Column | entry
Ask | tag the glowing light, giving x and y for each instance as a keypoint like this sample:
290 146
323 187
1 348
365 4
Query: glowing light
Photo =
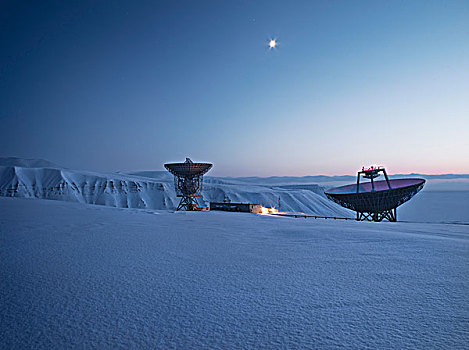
272 44
269 211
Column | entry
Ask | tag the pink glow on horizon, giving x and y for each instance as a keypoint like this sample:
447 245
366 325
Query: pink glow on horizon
342 172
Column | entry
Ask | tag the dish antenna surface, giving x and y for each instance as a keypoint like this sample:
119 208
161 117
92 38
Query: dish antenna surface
188 179
375 200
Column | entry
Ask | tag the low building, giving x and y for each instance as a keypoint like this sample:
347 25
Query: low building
237 207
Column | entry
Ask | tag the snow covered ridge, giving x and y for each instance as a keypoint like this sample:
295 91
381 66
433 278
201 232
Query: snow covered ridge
151 190
84 187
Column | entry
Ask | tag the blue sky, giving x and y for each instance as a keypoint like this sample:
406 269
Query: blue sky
119 85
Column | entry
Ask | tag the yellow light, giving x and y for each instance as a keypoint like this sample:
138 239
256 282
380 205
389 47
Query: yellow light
272 44
265 210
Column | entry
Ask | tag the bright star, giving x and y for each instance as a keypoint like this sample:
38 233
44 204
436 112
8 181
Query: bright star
272 44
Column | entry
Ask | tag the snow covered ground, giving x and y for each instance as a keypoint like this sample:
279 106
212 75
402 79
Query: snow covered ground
87 276
436 206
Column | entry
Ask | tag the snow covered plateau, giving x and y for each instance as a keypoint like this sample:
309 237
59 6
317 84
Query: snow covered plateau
150 190
132 273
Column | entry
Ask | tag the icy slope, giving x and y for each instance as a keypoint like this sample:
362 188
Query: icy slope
86 187
150 189
297 200
306 198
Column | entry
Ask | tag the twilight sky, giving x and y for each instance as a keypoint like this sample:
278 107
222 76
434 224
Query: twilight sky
122 85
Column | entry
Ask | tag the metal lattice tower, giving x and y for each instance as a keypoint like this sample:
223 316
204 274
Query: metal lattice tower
188 180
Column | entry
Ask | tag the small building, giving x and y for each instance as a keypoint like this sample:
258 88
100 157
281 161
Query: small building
237 207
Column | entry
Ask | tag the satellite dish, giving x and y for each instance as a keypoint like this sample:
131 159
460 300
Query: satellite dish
375 200
188 180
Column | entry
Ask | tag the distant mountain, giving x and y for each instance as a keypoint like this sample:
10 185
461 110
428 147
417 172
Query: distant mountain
151 189
435 177
291 179
26 163
441 182
37 178
335 178
157 175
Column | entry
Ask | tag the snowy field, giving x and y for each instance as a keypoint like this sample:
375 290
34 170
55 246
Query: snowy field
436 206
86 276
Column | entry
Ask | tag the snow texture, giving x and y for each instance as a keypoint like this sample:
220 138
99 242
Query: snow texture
437 206
85 276
151 190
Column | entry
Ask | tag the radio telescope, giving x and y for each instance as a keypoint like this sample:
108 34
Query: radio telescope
375 200
188 179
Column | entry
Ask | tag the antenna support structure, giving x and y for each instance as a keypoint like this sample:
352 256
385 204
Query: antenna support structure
188 181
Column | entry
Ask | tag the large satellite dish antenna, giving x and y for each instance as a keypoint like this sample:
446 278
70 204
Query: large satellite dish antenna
188 179
375 200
